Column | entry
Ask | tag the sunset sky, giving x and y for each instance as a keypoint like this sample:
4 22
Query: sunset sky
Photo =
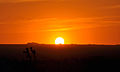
77 21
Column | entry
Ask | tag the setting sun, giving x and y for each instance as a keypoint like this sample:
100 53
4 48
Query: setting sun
59 40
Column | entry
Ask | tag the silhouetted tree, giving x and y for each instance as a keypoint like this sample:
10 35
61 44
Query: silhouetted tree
28 56
33 53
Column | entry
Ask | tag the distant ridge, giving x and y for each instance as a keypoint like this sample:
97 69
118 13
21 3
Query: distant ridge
34 44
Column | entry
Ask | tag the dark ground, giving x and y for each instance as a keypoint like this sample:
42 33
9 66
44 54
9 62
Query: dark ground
60 58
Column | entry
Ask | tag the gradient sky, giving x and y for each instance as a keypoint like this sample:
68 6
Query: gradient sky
77 21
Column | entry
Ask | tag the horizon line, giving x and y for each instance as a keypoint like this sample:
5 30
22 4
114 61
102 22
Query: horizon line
50 44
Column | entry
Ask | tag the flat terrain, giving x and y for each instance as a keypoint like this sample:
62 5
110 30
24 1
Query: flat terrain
59 58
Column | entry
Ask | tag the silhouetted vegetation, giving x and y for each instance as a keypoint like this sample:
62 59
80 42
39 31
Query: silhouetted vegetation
59 58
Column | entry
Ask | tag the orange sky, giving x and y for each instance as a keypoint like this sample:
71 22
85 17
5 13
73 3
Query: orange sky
77 21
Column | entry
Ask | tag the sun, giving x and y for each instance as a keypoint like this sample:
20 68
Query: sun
59 40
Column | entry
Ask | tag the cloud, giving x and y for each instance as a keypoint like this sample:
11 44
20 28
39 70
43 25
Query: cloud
55 24
60 29
113 6
14 1
75 21
17 1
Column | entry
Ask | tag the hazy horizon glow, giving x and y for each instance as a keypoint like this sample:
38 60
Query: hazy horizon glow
77 21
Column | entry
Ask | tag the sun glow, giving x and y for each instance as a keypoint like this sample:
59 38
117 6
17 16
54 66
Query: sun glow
59 40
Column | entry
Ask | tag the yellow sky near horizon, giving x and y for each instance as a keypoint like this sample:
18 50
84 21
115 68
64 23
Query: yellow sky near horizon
77 21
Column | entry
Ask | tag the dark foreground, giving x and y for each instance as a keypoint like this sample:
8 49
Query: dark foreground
60 58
